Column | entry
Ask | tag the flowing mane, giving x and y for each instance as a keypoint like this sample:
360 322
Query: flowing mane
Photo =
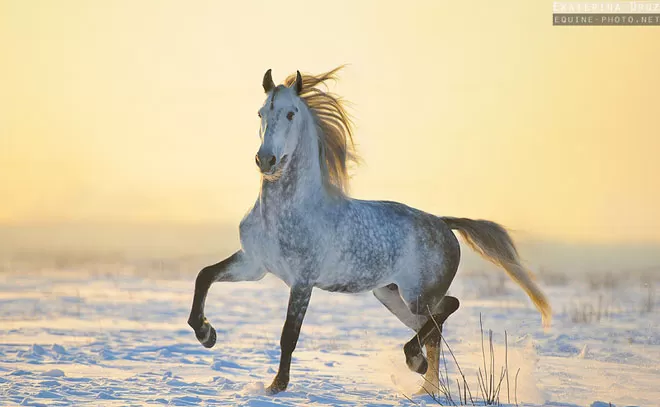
336 147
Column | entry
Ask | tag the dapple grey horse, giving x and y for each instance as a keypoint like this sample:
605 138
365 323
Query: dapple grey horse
304 229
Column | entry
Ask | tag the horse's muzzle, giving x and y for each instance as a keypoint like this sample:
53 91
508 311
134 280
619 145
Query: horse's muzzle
269 164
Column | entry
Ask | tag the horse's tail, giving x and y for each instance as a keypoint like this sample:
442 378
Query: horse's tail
494 244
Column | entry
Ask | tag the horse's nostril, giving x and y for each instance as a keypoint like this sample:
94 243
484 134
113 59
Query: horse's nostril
256 159
272 161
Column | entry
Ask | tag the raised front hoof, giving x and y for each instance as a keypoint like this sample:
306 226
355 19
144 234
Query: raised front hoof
206 335
417 363
278 385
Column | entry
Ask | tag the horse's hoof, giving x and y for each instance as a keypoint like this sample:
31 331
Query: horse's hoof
210 342
206 335
272 390
426 391
415 359
279 384
417 363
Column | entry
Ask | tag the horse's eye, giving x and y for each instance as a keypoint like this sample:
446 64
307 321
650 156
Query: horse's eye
290 116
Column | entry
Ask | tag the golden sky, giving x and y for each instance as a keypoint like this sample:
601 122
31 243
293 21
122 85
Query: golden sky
145 111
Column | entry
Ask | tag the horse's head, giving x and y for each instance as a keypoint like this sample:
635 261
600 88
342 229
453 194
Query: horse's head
282 117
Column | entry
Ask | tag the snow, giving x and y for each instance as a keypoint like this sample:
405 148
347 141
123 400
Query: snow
68 337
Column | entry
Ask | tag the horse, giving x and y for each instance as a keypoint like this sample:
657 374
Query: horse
306 230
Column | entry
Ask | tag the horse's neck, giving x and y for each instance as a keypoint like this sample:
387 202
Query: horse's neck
301 183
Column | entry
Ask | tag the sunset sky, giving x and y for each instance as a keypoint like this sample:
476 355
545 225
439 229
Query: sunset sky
146 111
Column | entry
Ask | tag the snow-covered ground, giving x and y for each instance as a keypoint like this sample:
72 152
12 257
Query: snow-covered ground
118 338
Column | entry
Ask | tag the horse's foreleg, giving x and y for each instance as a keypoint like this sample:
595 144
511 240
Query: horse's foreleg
234 268
298 302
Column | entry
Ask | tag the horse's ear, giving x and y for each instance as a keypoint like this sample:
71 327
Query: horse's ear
298 85
268 83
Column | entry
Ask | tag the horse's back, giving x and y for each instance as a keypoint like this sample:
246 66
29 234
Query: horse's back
378 242
428 255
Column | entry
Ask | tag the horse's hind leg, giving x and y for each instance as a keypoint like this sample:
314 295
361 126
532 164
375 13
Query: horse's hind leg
432 328
389 296
234 268
431 383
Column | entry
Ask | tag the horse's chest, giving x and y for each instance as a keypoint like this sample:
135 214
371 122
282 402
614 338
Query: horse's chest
280 245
